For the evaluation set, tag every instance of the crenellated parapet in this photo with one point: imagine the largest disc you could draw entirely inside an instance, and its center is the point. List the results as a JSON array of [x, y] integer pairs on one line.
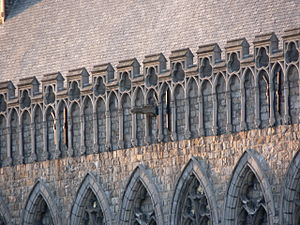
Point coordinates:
[[109, 108]]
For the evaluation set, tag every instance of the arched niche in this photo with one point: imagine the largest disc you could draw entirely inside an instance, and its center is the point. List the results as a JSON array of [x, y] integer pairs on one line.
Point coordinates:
[[290, 199], [38, 134], [101, 124], [76, 128], [207, 100], [140, 202], [193, 108], [249, 195], [91, 205], [179, 111], [235, 100], [249, 88], [140, 117], [194, 200], [50, 130], [114, 121], [220, 89], [165, 112], [127, 120], [88, 125], [26, 136], [293, 83], [63, 128], [264, 98], [3, 139], [14, 137], [40, 207], [152, 100]]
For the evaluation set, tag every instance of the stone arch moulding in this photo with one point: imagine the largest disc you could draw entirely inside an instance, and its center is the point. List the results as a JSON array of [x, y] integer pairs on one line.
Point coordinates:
[[39, 191], [252, 162], [90, 183], [4, 213], [290, 189], [139, 177], [198, 169]]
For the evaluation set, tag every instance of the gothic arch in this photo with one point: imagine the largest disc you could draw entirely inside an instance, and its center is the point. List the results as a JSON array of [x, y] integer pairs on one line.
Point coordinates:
[[195, 169], [5, 215], [39, 197], [290, 197], [90, 186], [88, 120], [206, 108], [101, 123], [254, 164], [140, 178]]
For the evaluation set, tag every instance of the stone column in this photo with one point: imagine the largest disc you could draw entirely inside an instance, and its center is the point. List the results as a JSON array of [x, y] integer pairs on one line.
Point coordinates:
[[133, 139], [187, 118], [160, 122], [173, 120], [243, 108], [33, 146], [121, 129], [287, 118], [56, 153], [95, 128], [108, 130], [229, 110], [257, 105], [70, 142], [83, 135], [8, 159], [215, 114], [44, 154], [201, 130], [19, 158], [271, 102]]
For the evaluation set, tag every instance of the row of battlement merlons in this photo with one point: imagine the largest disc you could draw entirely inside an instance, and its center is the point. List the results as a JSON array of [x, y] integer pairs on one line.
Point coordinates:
[[238, 48]]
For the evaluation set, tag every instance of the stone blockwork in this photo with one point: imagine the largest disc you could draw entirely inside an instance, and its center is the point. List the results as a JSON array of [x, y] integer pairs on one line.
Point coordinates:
[[204, 143], [114, 177]]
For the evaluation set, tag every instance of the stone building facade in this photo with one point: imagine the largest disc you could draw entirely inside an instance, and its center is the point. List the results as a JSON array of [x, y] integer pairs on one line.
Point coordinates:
[[200, 137]]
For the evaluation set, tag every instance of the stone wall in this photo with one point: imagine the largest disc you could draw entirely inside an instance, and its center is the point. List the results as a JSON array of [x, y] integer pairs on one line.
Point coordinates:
[[268, 152], [213, 142]]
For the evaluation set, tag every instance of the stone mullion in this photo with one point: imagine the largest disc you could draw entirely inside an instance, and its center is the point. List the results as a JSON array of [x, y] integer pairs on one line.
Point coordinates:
[[201, 116], [33, 145], [257, 102], [286, 98], [133, 139], [160, 122], [95, 128], [121, 128], [8, 160], [56, 154], [215, 114], [271, 101], [187, 118], [70, 142], [83, 134], [243, 107], [21, 146], [173, 120], [147, 136], [108, 130], [228, 109], [44, 154]]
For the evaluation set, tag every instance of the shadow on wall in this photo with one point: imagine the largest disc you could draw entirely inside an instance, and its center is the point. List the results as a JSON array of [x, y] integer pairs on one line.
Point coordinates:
[[15, 7]]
